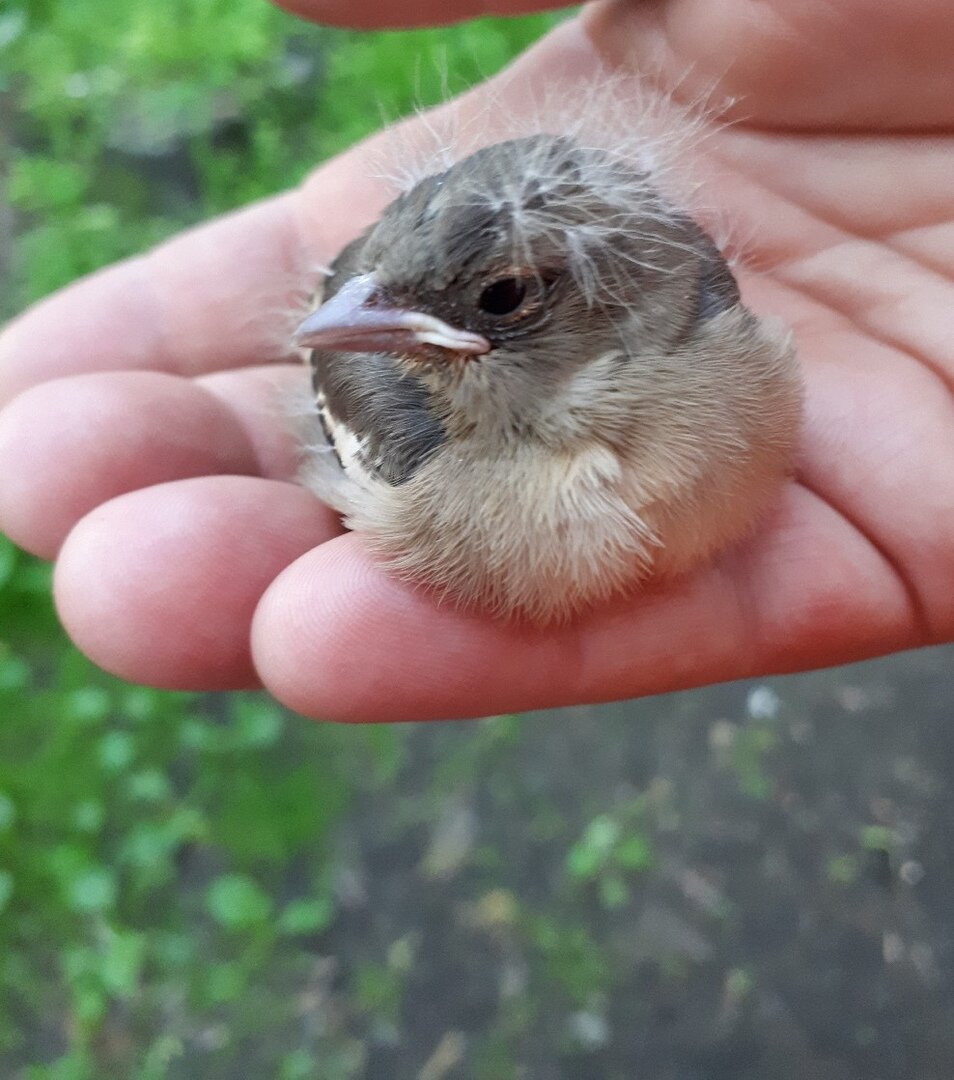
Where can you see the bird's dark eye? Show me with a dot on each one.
(503, 297)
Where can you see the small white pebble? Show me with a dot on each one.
(590, 1028)
(722, 734)
(763, 703)
(892, 948)
(911, 872)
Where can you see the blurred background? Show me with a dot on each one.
(751, 881)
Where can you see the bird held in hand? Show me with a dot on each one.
(537, 385)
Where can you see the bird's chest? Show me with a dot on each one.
(529, 514)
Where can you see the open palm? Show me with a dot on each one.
(141, 443)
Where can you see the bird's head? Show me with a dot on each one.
(498, 282)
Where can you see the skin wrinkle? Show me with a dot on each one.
(850, 160)
(814, 214)
(852, 238)
(665, 57)
(734, 648)
(919, 604)
(937, 368)
(747, 621)
(162, 348)
(828, 602)
(938, 373)
(940, 257)
(881, 240)
(917, 610)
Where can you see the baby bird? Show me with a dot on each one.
(537, 386)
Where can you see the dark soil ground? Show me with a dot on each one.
(752, 881)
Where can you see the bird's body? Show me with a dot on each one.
(536, 384)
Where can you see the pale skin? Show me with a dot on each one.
(140, 446)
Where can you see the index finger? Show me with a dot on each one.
(220, 296)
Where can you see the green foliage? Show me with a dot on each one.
(385, 75)
(844, 869)
(747, 756)
(237, 903)
(206, 94)
(126, 127)
(378, 990)
(878, 838)
(570, 957)
(130, 868)
(611, 849)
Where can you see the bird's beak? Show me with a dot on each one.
(352, 320)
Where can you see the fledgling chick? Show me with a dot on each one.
(537, 384)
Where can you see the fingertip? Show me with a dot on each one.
(302, 633)
(336, 637)
(159, 586)
(75, 329)
(68, 445)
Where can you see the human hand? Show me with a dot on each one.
(140, 444)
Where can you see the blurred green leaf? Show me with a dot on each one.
(306, 916)
(8, 812)
(378, 990)
(88, 815)
(41, 183)
(843, 869)
(92, 890)
(878, 838)
(298, 1065)
(258, 721)
(14, 672)
(634, 853)
(224, 983)
(6, 888)
(601, 834)
(8, 560)
(614, 892)
(122, 963)
(584, 862)
(237, 902)
(148, 785)
(116, 751)
(86, 705)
